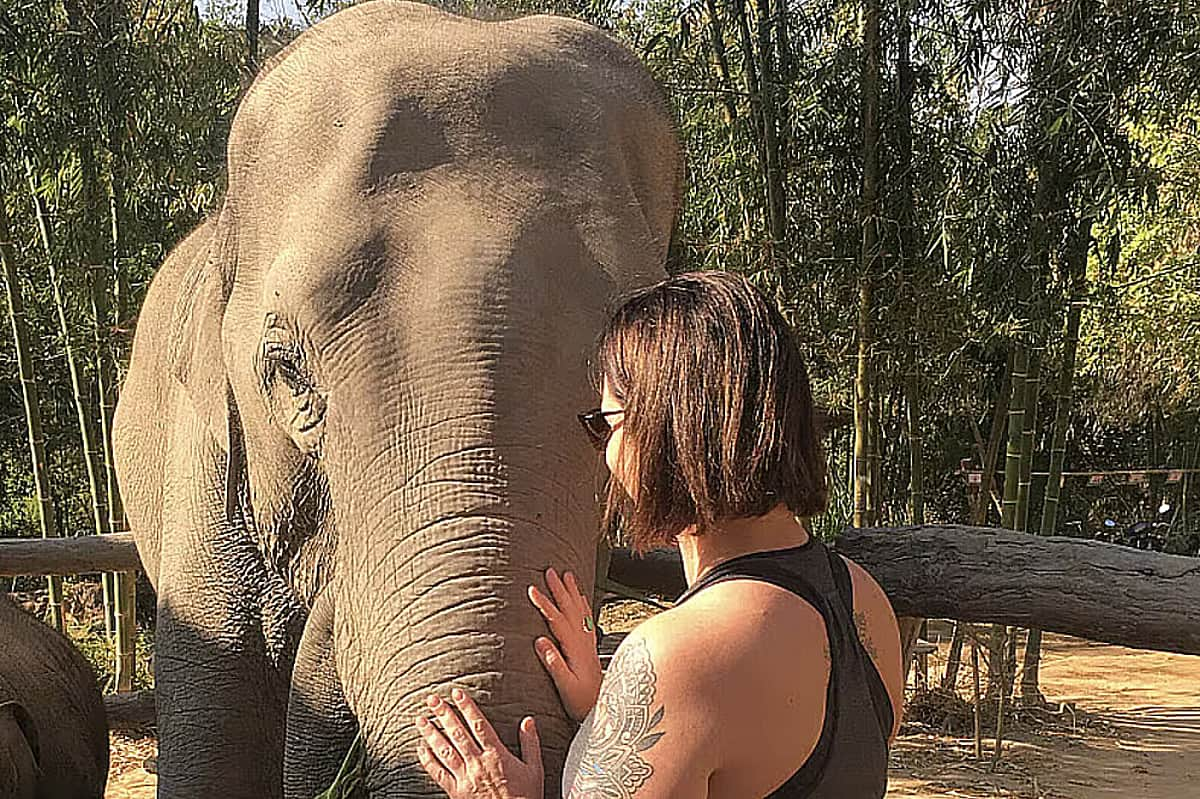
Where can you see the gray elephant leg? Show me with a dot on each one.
(221, 700)
(222, 652)
(320, 725)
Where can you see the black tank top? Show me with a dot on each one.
(851, 756)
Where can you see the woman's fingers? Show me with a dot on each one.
(440, 747)
(454, 727)
(580, 600)
(434, 769)
(562, 597)
(555, 663)
(481, 728)
(545, 605)
(531, 745)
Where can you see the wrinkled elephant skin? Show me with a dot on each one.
(347, 440)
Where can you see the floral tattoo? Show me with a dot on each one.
(625, 725)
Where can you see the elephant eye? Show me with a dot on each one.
(283, 360)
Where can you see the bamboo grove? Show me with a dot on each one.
(981, 218)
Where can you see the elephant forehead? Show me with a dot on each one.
(387, 89)
(448, 251)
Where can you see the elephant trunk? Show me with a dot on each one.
(432, 582)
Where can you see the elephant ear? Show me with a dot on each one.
(195, 354)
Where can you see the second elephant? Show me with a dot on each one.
(53, 731)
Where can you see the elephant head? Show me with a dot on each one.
(370, 361)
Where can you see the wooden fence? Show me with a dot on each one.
(1092, 590)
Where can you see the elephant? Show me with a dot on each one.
(347, 437)
(53, 730)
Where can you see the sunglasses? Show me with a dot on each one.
(598, 428)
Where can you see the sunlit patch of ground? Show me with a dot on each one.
(1134, 733)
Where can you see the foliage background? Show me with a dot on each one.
(1101, 94)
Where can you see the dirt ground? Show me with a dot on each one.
(1128, 726)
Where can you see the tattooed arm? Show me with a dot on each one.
(649, 737)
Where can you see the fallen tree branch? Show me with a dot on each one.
(113, 552)
(1088, 589)
(1092, 590)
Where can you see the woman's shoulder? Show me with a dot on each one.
(738, 664)
(732, 629)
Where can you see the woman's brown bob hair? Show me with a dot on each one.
(718, 409)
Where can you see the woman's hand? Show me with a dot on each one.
(574, 663)
(467, 759)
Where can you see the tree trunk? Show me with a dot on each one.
(33, 416)
(252, 37)
(85, 554)
(133, 712)
(1101, 592)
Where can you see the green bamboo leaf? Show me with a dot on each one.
(350, 782)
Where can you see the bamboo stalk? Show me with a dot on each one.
(108, 315)
(979, 512)
(1077, 266)
(100, 515)
(96, 270)
(978, 720)
(1001, 701)
(252, 36)
(717, 41)
(86, 435)
(1028, 431)
(126, 630)
(916, 490)
(1016, 429)
(33, 416)
(773, 166)
(1009, 510)
(910, 628)
(866, 500)
(864, 506)
(113, 308)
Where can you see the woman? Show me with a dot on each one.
(778, 671)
